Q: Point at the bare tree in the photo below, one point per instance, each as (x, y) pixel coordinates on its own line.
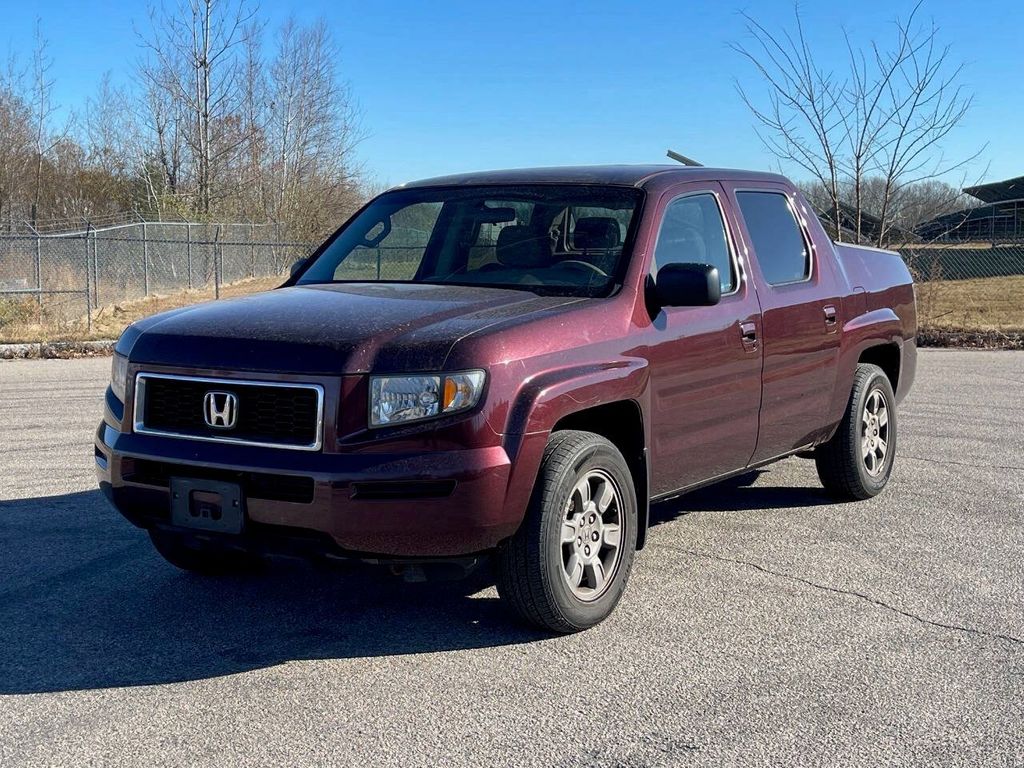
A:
(215, 125)
(886, 118)
(924, 103)
(802, 114)
(255, 105)
(43, 137)
(111, 142)
(15, 140)
(167, 123)
(312, 128)
(917, 203)
(194, 62)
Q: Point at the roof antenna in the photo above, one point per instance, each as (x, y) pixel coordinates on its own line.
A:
(683, 159)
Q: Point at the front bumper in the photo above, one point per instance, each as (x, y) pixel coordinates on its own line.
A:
(428, 504)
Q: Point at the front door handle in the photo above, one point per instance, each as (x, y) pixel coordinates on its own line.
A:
(748, 331)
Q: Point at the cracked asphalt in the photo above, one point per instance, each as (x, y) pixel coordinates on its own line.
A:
(763, 625)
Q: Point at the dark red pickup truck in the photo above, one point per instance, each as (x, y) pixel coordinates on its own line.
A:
(513, 363)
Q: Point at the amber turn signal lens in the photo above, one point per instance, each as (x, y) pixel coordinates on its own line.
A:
(461, 390)
(450, 391)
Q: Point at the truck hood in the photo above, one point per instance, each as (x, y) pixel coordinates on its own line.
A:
(330, 329)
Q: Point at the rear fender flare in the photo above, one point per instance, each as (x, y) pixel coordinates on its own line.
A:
(871, 329)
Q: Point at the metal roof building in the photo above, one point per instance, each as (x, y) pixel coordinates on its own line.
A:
(999, 219)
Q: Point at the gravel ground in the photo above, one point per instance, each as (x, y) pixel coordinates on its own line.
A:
(762, 625)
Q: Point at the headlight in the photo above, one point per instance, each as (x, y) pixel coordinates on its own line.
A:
(119, 376)
(397, 399)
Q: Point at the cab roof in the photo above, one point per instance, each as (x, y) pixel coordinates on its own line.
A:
(617, 175)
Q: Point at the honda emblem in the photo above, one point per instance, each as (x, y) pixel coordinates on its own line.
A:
(220, 410)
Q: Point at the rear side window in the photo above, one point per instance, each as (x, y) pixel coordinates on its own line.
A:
(692, 232)
(778, 242)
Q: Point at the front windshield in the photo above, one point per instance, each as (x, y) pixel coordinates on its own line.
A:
(551, 239)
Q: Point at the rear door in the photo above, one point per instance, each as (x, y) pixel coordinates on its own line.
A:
(705, 361)
(799, 312)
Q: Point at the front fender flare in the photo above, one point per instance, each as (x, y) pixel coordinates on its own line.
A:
(543, 400)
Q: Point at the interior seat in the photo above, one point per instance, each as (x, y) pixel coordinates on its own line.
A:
(519, 247)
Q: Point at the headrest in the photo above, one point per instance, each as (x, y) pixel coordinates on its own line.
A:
(596, 233)
(520, 247)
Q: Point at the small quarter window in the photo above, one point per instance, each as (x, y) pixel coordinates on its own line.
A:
(779, 244)
(692, 232)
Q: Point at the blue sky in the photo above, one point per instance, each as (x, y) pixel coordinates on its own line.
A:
(453, 86)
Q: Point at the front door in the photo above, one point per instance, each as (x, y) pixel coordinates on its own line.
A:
(705, 361)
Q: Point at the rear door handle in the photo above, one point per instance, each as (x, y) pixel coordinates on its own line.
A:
(748, 331)
(831, 318)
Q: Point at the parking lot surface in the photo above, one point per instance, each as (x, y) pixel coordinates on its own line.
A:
(762, 624)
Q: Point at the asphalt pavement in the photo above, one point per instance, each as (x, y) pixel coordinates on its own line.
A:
(763, 624)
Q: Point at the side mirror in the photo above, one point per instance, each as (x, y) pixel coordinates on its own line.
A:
(296, 266)
(688, 285)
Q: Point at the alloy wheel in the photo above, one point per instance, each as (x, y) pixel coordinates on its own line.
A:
(592, 535)
(874, 442)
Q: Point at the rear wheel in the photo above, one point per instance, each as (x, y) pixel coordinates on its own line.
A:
(190, 556)
(567, 565)
(857, 462)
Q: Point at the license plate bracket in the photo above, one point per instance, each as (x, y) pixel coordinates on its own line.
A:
(207, 505)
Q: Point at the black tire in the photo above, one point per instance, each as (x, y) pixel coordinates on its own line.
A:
(841, 462)
(193, 557)
(529, 567)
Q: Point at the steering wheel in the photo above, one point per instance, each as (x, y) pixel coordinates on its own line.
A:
(578, 264)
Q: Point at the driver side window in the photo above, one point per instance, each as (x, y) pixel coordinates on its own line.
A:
(693, 232)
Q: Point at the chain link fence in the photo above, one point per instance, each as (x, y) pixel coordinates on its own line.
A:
(969, 288)
(66, 277)
(949, 263)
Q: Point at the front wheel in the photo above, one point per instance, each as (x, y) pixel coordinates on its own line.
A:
(566, 567)
(857, 462)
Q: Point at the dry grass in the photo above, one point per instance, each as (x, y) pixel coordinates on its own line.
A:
(984, 304)
(20, 322)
